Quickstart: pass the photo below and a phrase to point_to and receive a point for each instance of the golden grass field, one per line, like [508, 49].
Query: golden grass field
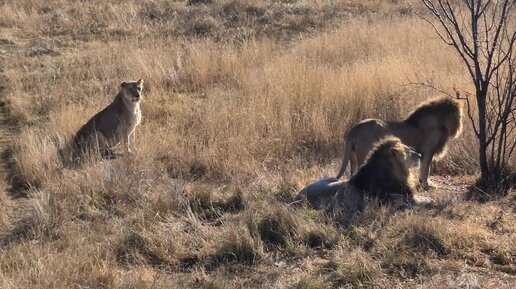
[245, 102]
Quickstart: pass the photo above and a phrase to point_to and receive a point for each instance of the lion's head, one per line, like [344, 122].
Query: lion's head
[387, 168]
[404, 154]
[132, 90]
[394, 157]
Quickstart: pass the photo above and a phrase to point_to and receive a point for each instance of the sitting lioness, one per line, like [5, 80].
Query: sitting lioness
[384, 176]
[427, 129]
[114, 124]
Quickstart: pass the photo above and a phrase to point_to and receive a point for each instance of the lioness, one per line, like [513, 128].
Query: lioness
[385, 176]
[427, 129]
[116, 123]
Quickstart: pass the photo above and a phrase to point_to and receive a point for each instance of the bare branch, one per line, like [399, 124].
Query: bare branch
[458, 31]
[429, 86]
[483, 9]
[450, 39]
[506, 55]
[503, 18]
[468, 4]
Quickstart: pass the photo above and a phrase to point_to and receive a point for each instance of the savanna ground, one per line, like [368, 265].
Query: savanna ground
[245, 102]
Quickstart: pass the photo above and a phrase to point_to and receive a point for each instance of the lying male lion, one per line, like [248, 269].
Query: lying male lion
[114, 124]
[385, 176]
[427, 129]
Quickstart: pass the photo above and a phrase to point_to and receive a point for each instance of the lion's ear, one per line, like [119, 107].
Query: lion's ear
[140, 81]
[123, 84]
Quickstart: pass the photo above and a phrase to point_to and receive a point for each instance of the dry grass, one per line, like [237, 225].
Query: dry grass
[244, 103]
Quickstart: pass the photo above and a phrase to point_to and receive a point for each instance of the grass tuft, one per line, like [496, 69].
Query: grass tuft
[239, 246]
[279, 228]
[135, 249]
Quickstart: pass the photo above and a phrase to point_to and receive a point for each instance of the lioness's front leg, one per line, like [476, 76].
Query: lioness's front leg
[134, 140]
[128, 143]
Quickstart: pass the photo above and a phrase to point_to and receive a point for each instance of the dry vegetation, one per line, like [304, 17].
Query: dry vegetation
[244, 103]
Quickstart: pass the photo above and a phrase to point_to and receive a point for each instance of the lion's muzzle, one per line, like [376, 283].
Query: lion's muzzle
[415, 158]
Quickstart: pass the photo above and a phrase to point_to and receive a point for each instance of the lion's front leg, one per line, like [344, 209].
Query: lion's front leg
[402, 199]
[399, 201]
[424, 171]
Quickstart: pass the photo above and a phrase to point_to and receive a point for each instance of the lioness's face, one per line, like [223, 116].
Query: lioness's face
[132, 90]
[409, 157]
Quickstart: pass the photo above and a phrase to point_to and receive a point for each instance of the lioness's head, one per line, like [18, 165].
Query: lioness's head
[132, 90]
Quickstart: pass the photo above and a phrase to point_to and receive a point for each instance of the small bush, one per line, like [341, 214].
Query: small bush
[35, 157]
[207, 207]
[425, 237]
[353, 267]
[406, 265]
[321, 237]
[41, 220]
[240, 247]
[136, 249]
[198, 2]
[311, 282]
[278, 228]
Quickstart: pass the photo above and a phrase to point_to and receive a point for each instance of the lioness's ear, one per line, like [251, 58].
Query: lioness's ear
[123, 84]
[140, 81]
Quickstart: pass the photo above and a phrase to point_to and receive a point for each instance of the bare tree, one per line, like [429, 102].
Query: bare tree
[483, 34]
[501, 117]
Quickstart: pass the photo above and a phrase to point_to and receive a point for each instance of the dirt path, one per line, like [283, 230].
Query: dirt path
[5, 201]
[12, 206]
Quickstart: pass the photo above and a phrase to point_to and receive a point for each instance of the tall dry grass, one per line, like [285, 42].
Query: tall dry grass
[244, 103]
[234, 108]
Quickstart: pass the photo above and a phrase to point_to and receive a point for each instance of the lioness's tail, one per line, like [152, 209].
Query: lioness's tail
[348, 145]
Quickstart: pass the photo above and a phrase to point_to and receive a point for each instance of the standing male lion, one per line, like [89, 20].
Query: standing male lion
[114, 124]
[427, 129]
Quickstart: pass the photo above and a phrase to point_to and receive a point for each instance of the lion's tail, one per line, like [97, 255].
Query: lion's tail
[348, 145]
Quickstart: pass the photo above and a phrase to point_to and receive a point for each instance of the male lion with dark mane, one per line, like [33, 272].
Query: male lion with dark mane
[427, 129]
[385, 176]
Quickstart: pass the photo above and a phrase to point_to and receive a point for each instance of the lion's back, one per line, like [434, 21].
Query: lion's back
[104, 122]
[365, 134]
